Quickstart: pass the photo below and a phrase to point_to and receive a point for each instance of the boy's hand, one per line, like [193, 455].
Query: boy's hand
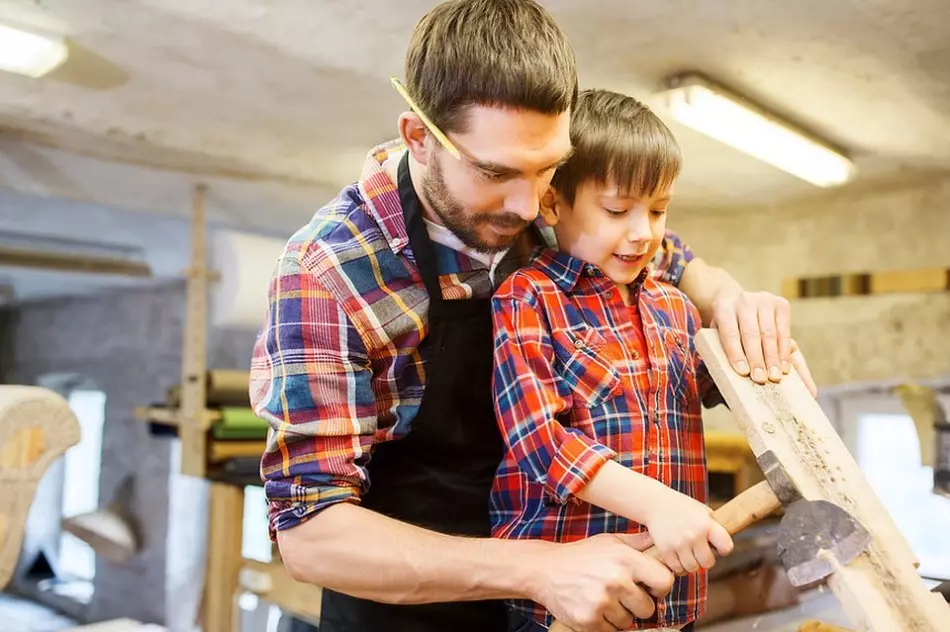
[682, 530]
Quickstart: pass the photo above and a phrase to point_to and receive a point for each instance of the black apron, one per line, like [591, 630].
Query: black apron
[439, 476]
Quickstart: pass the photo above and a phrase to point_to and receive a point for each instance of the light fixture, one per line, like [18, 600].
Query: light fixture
[696, 102]
[28, 53]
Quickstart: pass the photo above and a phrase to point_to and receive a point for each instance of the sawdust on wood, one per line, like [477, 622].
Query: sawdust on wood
[832, 482]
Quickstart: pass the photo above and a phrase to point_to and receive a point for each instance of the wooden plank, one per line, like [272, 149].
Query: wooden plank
[172, 416]
[36, 427]
[192, 431]
[880, 590]
[73, 262]
[225, 531]
[270, 581]
[924, 280]
[868, 283]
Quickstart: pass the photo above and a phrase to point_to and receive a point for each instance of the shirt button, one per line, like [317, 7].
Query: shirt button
[609, 295]
[636, 355]
[579, 344]
[656, 417]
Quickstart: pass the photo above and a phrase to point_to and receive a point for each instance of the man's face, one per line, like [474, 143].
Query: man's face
[617, 233]
[508, 159]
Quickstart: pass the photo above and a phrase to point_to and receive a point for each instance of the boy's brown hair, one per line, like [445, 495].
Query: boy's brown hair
[505, 53]
[618, 140]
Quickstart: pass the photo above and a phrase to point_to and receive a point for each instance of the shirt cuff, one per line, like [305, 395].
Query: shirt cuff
[286, 514]
[577, 460]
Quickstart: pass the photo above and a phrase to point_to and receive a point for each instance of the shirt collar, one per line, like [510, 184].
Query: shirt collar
[381, 194]
[565, 270]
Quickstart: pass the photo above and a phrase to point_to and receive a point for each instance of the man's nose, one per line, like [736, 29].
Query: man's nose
[525, 200]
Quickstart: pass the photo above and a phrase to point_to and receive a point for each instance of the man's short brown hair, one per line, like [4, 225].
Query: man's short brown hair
[503, 53]
[618, 140]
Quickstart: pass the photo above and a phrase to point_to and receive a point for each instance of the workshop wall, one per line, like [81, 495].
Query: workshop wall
[127, 344]
[852, 339]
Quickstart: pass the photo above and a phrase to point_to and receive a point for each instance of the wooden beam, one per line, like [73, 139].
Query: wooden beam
[880, 590]
[73, 263]
[225, 533]
[193, 429]
[171, 416]
[868, 283]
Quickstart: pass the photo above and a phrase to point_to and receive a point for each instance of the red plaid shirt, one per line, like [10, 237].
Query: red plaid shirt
[339, 364]
[581, 378]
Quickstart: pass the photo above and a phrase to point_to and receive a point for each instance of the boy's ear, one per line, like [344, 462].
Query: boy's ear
[548, 207]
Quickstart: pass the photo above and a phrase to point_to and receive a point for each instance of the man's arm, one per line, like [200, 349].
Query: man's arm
[755, 327]
[310, 381]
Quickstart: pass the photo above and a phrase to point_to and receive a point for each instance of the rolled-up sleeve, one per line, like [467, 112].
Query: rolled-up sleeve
[310, 380]
[529, 396]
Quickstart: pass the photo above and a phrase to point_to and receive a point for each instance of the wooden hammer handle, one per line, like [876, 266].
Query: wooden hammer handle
[744, 510]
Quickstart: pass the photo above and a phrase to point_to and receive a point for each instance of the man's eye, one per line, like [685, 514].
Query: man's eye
[492, 176]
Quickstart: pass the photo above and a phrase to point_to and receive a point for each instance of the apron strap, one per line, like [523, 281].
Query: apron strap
[419, 240]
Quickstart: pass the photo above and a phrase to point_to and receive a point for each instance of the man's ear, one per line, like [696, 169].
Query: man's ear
[414, 134]
[549, 207]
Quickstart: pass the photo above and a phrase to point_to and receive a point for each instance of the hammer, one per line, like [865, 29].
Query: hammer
[810, 532]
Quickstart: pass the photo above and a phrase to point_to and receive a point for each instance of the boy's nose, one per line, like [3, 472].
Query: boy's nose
[638, 228]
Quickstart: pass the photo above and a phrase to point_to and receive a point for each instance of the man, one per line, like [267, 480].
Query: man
[374, 365]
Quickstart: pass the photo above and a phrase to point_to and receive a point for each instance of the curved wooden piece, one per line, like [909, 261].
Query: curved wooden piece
[36, 427]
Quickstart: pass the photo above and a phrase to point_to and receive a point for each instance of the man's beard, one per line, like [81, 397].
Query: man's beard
[452, 214]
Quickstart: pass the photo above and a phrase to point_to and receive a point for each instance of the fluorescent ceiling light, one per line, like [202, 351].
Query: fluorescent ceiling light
[30, 54]
[707, 108]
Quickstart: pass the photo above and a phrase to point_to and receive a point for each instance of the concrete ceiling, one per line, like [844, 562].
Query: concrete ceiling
[276, 102]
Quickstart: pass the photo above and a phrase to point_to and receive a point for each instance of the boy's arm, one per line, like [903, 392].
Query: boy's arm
[529, 395]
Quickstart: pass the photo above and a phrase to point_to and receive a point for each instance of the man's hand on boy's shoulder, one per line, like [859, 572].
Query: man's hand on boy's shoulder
[755, 329]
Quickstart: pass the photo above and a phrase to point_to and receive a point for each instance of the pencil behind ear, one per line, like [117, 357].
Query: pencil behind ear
[549, 207]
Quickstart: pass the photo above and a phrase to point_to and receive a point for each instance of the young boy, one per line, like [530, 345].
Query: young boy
[597, 384]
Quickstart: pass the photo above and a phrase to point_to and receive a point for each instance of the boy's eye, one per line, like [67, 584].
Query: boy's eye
[658, 212]
[615, 212]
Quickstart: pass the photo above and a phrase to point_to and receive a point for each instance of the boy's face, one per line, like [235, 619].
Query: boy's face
[617, 234]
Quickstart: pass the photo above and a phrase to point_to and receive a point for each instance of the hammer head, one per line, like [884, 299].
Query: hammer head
[810, 527]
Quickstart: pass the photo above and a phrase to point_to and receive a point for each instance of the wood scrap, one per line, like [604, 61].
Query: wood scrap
[36, 427]
[880, 590]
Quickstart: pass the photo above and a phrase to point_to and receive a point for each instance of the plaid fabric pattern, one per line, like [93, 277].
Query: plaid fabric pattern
[339, 363]
[581, 378]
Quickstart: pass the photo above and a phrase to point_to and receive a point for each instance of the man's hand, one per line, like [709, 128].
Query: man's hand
[592, 585]
[756, 336]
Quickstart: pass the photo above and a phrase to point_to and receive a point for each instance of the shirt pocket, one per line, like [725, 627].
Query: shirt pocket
[681, 373]
[586, 368]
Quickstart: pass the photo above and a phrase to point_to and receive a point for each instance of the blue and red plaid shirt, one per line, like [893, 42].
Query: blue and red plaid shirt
[339, 364]
[581, 378]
